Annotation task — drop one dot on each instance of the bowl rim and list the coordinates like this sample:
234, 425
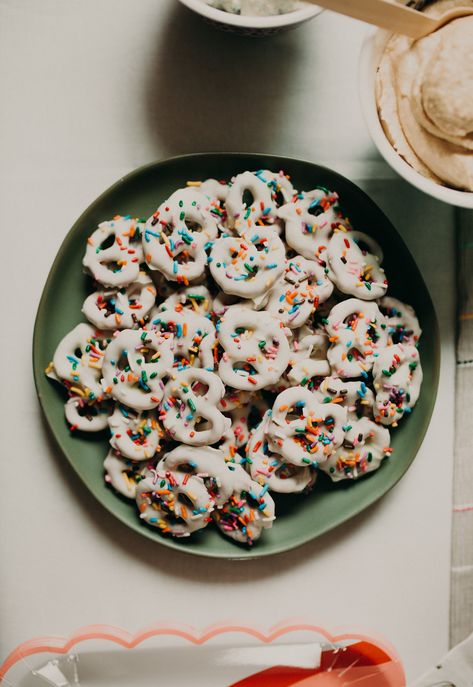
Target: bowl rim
307, 11
371, 51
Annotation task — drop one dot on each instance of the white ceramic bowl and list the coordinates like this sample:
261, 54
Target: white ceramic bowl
253, 26
371, 53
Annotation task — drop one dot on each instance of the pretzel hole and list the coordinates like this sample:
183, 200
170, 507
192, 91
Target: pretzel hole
355, 354
199, 388
108, 242
351, 320
87, 411
193, 226
278, 198
244, 369
316, 210
78, 352
122, 361
201, 424
113, 266
182, 258
247, 198
285, 471
185, 501
295, 413
362, 245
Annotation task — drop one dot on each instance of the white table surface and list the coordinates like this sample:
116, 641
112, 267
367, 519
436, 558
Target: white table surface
91, 90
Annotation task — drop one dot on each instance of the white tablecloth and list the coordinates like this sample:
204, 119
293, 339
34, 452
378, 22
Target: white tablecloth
91, 90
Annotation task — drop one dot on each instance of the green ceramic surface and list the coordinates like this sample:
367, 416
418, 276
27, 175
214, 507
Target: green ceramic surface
300, 519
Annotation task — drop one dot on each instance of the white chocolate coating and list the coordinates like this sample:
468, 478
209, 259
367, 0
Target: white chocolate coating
304, 431
355, 271
256, 350
365, 446
176, 236
78, 361
123, 308
206, 463
270, 468
133, 368
248, 265
189, 408
358, 331
123, 474
397, 378
403, 325
197, 299
356, 397
118, 264
249, 511
176, 503
135, 435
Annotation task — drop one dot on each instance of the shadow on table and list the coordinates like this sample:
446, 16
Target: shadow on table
212, 91
182, 565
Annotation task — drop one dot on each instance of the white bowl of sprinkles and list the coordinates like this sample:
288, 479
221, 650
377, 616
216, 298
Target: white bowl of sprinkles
250, 25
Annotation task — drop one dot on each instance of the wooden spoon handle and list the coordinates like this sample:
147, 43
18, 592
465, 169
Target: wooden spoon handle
383, 13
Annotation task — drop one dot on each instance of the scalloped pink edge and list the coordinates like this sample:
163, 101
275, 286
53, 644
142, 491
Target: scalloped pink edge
62, 645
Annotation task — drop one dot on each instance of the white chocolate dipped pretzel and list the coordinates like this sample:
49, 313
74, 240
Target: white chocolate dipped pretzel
247, 265
114, 252
397, 378
354, 259
87, 416
355, 396
267, 467
403, 325
365, 446
242, 217
206, 463
189, 408
122, 474
177, 235
123, 308
248, 512
358, 332
77, 361
256, 350
308, 363
302, 430
176, 503
310, 221
243, 420
196, 299
134, 365
298, 292
193, 337
135, 435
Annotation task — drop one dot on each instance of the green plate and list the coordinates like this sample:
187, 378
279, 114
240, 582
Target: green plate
300, 519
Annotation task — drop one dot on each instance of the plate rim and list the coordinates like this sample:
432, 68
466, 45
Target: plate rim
38, 370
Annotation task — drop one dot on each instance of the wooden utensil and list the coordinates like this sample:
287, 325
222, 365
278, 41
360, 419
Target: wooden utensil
393, 16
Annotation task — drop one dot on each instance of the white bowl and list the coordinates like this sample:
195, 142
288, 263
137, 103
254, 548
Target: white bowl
253, 26
371, 54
